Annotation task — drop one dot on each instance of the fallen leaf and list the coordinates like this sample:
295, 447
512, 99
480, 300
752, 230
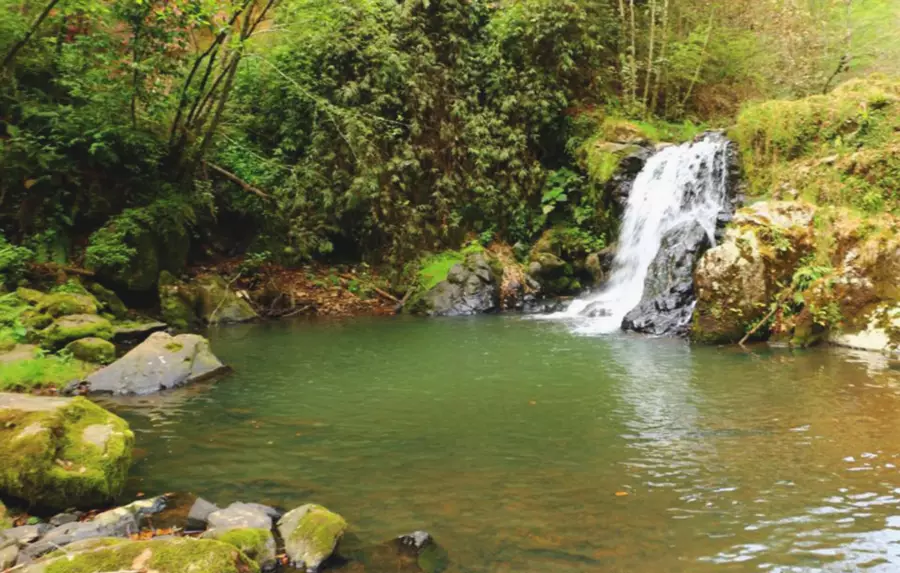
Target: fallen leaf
621, 493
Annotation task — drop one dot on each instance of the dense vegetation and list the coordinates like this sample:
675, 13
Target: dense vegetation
138, 136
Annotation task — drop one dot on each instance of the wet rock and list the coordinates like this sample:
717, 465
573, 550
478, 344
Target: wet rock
240, 516
311, 534
416, 540
416, 552
198, 516
170, 555
60, 453
619, 185
471, 288
161, 362
92, 349
668, 302
119, 522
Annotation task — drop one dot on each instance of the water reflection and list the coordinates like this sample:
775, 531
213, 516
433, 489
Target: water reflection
512, 442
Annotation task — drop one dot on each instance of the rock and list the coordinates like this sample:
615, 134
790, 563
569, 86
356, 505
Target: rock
109, 301
311, 534
668, 301
118, 522
416, 552
619, 185
170, 555
735, 281
135, 332
257, 544
64, 518
94, 350
9, 552
30, 295
416, 540
471, 288
26, 534
5, 520
240, 516
62, 452
159, 363
72, 327
65, 304
198, 516
881, 334
219, 304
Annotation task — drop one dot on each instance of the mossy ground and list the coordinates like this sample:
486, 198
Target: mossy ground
48, 462
161, 555
254, 543
42, 372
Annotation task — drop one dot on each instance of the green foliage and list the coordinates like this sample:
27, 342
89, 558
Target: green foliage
13, 261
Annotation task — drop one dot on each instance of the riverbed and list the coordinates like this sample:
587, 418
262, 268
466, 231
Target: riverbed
522, 447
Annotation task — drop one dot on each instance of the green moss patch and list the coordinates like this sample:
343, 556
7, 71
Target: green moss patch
161, 555
93, 350
41, 372
69, 328
60, 453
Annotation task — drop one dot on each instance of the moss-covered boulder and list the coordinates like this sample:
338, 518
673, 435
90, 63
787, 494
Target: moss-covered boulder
109, 301
736, 280
177, 302
30, 295
311, 535
470, 287
66, 329
93, 350
172, 555
218, 303
256, 543
65, 303
161, 362
62, 452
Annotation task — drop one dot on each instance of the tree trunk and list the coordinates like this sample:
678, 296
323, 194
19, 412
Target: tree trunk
11, 54
649, 75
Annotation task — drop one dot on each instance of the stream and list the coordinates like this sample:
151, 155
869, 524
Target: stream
523, 447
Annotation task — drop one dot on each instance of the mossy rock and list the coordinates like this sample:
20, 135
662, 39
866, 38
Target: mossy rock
30, 295
65, 304
177, 303
218, 303
33, 320
311, 535
5, 519
109, 301
92, 349
62, 452
257, 544
69, 328
172, 555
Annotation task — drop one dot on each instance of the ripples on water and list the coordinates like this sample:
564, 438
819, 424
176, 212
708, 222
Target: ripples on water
513, 442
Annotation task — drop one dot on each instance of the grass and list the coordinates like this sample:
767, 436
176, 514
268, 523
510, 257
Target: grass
41, 372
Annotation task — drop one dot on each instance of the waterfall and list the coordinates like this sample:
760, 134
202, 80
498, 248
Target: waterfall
678, 186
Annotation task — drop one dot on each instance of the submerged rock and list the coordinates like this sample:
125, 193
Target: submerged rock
311, 534
198, 516
62, 452
161, 362
169, 555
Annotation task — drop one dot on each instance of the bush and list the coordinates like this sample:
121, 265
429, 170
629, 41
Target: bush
13, 262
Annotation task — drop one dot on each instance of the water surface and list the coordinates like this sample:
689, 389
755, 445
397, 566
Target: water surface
524, 448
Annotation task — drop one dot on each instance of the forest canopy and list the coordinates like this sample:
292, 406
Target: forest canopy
374, 130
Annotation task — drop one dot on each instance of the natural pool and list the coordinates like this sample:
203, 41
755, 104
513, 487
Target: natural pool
523, 448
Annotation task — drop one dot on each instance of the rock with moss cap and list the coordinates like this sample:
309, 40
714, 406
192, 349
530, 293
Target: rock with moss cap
161, 362
257, 544
93, 350
169, 555
62, 452
66, 329
66, 303
109, 301
218, 303
311, 535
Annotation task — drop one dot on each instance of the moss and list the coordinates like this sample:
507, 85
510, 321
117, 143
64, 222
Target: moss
30, 295
161, 555
68, 328
177, 302
174, 346
109, 301
93, 350
257, 544
7, 340
5, 519
50, 460
41, 372
311, 534
64, 303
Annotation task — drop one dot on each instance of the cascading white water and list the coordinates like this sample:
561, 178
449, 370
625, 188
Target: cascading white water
677, 185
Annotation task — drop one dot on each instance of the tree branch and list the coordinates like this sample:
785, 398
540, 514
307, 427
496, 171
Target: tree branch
11, 54
232, 177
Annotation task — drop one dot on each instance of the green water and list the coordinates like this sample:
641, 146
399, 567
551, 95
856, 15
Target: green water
508, 439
